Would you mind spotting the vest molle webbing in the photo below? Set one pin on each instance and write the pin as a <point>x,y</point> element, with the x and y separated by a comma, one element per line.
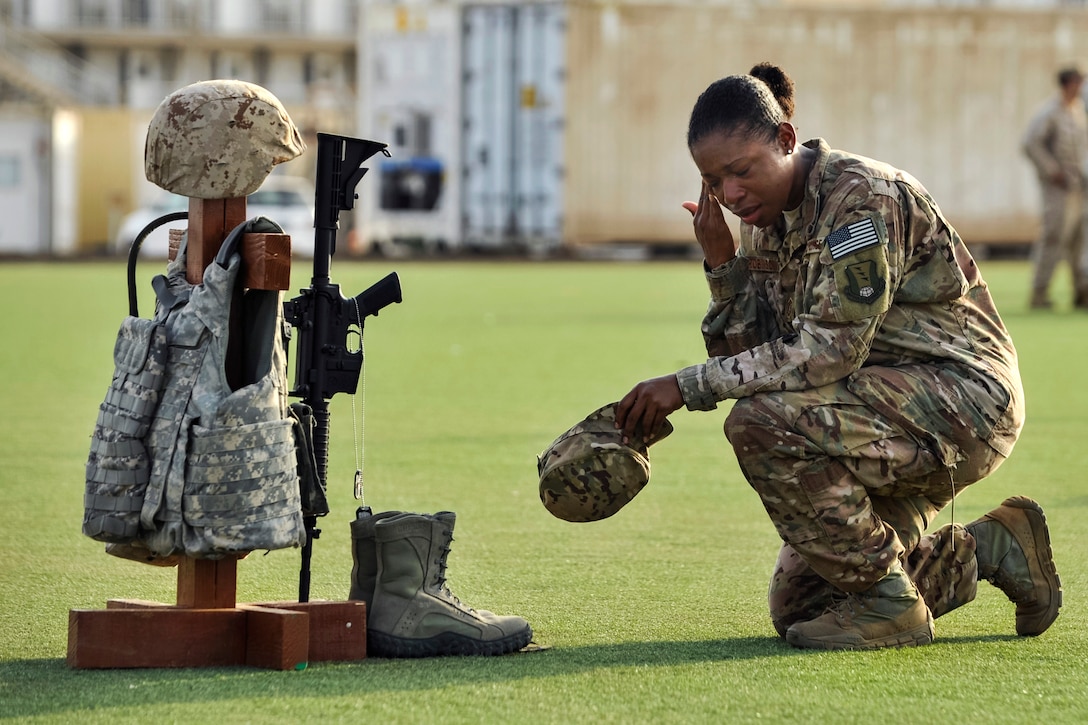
<point>221,453</point>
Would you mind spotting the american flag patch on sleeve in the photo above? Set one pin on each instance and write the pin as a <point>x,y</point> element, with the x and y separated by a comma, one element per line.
<point>852,237</point>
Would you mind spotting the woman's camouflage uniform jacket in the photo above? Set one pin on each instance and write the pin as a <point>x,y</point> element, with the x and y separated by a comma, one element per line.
<point>870,273</point>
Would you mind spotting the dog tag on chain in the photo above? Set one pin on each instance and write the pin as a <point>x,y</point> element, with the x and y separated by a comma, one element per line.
<point>358,485</point>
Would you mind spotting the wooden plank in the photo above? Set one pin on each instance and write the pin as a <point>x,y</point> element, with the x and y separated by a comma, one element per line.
<point>134,604</point>
<point>156,637</point>
<point>174,243</point>
<point>276,639</point>
<point>266,261</point>
<point>210,220</point>
<point>337,629</point>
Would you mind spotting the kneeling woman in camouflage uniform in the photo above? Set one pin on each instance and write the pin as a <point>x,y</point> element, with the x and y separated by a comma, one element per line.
<point>873,379</point>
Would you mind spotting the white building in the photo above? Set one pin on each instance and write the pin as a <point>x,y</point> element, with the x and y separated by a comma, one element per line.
<point>80,79</point>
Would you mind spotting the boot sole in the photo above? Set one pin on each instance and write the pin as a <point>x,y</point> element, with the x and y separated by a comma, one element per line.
<point>916,637</point>
<point>379,644</point>
<point>1044,557</point>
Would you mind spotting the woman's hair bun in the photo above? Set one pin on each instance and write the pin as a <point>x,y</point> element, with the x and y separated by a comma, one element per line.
<point>779,82</point>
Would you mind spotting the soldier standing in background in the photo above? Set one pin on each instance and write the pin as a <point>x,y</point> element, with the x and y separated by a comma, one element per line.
<point>1056,142</point>
<point>872,376</point>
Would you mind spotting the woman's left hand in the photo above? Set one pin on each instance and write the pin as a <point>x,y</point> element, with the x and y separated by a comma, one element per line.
<point>648,405</point>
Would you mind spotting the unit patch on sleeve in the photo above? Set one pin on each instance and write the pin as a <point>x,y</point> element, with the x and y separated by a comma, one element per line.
<point>864,283</point>
<point>852,237</point>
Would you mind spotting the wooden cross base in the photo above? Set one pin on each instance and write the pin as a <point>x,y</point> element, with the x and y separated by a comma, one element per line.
<point>206,631</point>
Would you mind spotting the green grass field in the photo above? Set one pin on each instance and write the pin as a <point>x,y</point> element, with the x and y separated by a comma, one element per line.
<point>655,615</point>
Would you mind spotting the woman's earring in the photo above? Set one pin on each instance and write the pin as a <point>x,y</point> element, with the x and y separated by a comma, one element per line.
<point>789,151</point>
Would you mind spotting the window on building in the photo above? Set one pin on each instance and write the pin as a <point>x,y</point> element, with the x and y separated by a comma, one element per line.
<point>179,14</point>
<point>262,64</point>
<point>7,12</point>
<point>169,60</point>
<point>10,171</point>
<point>91,13</point>
<point>135,13</point>
<point>280,16</point>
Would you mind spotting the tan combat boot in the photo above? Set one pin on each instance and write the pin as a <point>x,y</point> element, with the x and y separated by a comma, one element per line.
<point>364,554</point>
<point>1013,552</point>
<point>890,613</point>
<point>414,614</point>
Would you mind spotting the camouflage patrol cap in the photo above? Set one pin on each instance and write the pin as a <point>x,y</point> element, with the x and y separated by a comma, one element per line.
<point>218,139</point>
<point>589,473</point>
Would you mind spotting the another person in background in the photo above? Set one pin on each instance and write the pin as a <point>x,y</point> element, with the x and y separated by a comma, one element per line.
<point>1056,141</point>
<point>872,379</point>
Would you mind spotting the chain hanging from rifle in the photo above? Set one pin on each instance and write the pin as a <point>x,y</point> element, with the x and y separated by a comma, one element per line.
<point>358,422</point>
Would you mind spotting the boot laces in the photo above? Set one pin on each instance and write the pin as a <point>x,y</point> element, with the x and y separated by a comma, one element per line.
<point>847,606</point>
<point>1012,588</point>
<point>440,576</point>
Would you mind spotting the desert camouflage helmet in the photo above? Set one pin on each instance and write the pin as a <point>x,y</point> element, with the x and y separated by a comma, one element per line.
<point>589,473</point>
<point>218,139</point>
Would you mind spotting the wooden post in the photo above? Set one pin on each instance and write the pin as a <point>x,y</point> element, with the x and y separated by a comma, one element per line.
<point>207,583</point>
<point>212,582</point>
<point>210,220</point>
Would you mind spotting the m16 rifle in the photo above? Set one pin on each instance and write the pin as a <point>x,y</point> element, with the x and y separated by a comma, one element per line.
<point>326,321</point>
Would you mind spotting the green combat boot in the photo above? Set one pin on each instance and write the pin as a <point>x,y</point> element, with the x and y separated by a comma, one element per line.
<point>414,614</point>
<point>1013,552</point>
<point>890,613</point>
<point>364,554</point>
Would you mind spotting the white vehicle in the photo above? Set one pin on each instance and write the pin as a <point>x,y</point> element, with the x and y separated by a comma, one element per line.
<point>286,200</point>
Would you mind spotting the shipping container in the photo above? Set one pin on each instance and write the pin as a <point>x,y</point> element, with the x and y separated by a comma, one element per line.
<point>470,99</point>
<point>543,124</point>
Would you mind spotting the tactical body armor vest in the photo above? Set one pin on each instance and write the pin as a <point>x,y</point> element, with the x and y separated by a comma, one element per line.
<point>188,457</point>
